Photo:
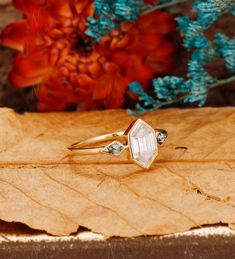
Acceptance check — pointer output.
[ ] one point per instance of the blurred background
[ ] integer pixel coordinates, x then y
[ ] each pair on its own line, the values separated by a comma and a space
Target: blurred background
25, 99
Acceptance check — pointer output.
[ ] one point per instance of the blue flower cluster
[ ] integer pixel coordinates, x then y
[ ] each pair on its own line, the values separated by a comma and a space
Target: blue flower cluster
109, 14
226, 50
172, 89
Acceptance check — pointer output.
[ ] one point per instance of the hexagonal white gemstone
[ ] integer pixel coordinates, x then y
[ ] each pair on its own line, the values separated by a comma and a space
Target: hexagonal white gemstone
143, 143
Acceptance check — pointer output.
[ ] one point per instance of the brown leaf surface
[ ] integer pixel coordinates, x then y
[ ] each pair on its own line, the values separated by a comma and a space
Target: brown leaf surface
191, 184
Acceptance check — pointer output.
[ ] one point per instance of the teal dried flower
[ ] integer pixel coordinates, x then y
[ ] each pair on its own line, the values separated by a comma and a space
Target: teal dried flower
172, 89
109, 14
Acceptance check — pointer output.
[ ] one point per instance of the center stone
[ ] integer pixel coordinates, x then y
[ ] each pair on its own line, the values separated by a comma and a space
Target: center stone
143, 143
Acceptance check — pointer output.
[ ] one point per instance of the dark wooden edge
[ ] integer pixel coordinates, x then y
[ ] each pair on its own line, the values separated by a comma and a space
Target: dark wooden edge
182, 247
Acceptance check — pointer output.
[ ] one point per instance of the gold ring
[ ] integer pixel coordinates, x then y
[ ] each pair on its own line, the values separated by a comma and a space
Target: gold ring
140, 138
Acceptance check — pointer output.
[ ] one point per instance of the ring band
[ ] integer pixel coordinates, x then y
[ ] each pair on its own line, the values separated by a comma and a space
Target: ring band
140, 138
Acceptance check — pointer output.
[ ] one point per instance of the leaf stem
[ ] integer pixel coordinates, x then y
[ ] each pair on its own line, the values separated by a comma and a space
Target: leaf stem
165, 5
217, 84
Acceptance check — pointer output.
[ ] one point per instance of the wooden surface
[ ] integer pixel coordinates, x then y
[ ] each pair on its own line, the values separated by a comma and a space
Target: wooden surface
206, 243
191, 184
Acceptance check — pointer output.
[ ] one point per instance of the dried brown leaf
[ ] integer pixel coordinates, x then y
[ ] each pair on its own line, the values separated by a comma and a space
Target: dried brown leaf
192, 182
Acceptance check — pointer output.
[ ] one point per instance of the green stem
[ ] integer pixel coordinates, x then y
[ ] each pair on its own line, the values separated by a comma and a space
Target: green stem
222, 82
154, 8
217, 84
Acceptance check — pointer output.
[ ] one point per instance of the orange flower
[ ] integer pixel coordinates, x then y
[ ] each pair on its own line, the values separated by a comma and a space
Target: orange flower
69, 68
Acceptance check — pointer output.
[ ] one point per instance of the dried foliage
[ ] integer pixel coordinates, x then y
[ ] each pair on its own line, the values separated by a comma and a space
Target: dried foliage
191, 184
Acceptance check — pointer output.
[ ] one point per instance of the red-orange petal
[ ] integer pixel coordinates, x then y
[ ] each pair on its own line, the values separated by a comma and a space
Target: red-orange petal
27, 6
48, 102
15, 35
120, 57
116, 97
29, 70
165, 23
110, 67
164, 53
102, 88
118, 42
138, 71
95, 69
84, 80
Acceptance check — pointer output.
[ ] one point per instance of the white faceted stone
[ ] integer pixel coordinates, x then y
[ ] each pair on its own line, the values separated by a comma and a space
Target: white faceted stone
143, 143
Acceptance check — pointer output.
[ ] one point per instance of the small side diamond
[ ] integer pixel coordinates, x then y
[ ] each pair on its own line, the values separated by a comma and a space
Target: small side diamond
115, 148
161, 137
